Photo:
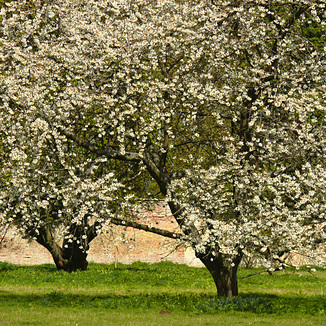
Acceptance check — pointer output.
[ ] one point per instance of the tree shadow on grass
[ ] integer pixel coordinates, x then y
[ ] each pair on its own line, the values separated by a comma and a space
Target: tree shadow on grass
192, 302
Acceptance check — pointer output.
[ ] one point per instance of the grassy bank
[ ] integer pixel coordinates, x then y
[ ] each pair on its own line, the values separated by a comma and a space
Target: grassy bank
135, 294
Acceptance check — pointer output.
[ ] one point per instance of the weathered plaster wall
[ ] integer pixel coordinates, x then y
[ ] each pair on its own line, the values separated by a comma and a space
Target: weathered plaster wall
134, 245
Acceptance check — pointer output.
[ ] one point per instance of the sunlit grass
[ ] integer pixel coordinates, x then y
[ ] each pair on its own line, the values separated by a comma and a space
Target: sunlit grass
135, 294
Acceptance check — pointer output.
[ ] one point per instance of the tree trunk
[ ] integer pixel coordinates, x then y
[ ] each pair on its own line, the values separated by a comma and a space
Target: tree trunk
75, 255
71, 256
224, 273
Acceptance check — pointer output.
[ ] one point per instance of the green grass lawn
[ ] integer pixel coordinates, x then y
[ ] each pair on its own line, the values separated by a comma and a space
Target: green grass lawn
135, 294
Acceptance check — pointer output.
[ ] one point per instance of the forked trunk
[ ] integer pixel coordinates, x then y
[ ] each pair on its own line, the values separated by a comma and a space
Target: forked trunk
71, 256
70, 259
224, 273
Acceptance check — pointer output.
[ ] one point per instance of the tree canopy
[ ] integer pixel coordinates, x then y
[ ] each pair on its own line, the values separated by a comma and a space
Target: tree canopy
218, 105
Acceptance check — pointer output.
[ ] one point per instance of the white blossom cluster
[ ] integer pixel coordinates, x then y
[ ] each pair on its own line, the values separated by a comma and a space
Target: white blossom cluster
46, 184
221, 102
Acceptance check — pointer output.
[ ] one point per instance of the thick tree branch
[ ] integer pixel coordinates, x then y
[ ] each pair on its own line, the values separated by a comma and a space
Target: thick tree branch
188, 228
136, 225
46, 239
92, 231
4, 234
155, 174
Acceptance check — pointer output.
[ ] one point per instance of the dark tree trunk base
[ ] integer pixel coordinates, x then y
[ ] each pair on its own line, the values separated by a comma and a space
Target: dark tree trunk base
224, 275
72, 256
71, 263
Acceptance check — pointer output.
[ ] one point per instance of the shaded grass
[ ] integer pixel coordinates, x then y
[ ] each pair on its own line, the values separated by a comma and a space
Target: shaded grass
194, 302
145, 289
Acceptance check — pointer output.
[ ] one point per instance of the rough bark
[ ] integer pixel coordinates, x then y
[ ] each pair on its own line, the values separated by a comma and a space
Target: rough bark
139, 226
223, 273
70, 257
